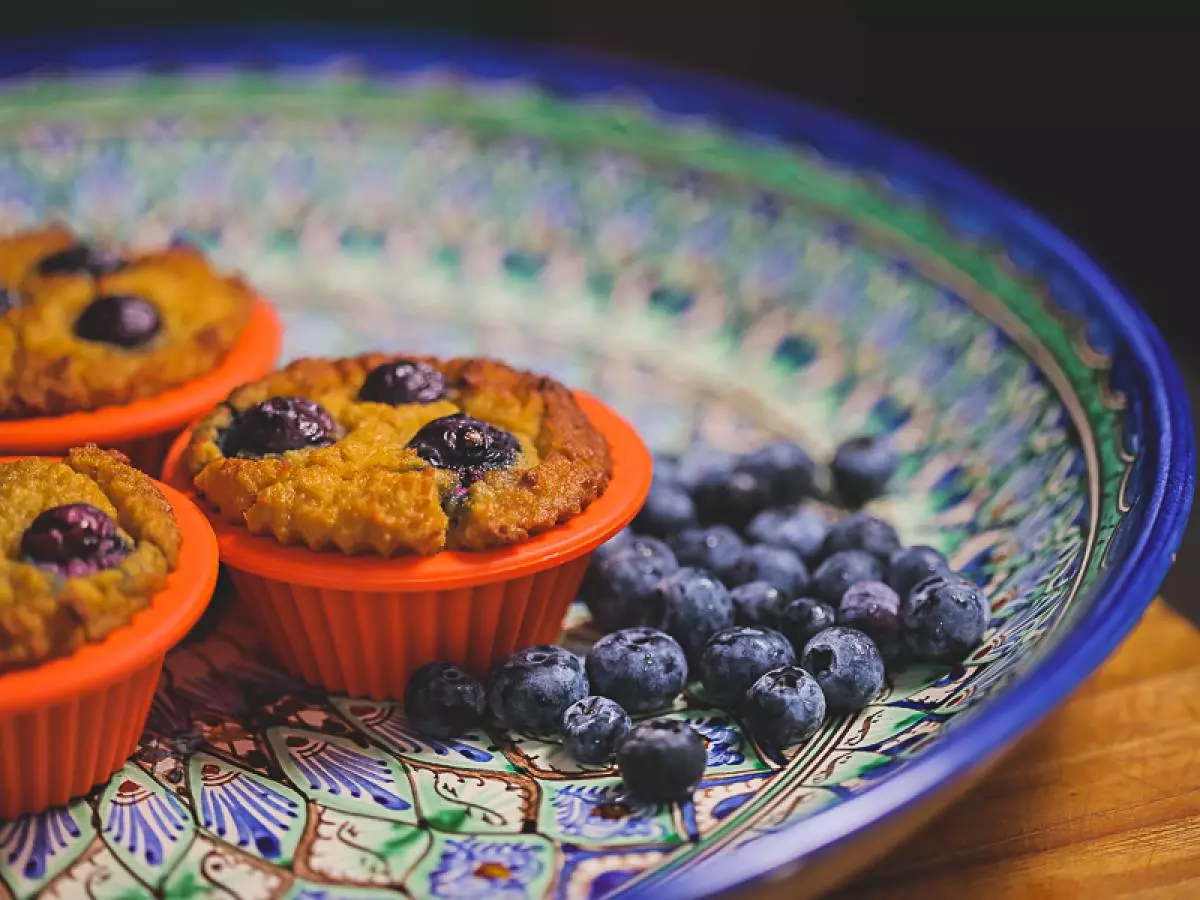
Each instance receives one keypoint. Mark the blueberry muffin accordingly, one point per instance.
(86, 543)
(389, 455)
(81, 328)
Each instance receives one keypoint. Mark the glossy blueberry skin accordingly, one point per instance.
(737, 657)
(668, 510)
(785, 468)
(834, 576)
(847, 665)
(8, 299)
(732, 498)
(699, 463)
(444, 700)
(279, 425)
(757, 603)
(593, 729)
(643, 669)
(662, 761)
(619, 584)
(532, 689)
(801, 531)
(783, 708)
(804, 617)
(716, 548)
(403, 381)
(874, 609)
(774, 565)
(121, 320)
(465, 444)
(861, 469)
(80, 259)
(909, 566)
(692, 605)
(73, 540)
(860, 531)
(944, 619)
(622, 540)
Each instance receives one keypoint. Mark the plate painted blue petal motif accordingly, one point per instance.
(718, 264)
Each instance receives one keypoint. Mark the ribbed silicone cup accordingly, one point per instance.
(145, 429)
(360, 625)
(68, 725)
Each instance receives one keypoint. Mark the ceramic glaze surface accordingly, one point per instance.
(711, 286)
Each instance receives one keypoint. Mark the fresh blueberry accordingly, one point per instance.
(757, 603)
(841, 570)
(619, 585)
(804, 617)
(532, 688)
(73, 540)
(119, 319)
(861, 469)
(654, 549)
(642, 669)
(403, 381)
(909, 566)
(622, 540)
(465, 444)
(874, 609)
(444, 700)
(774, 565)
(691, 606)
(662, 761)
(860, 531)
(785, 468)
(700, 463)
(593, 729)
(847, 666)
(279, 425)
(668, 510)
(80, 259)
(732, 498)
(802, 531)
(737, 657)
(944, 619)
(716, 548)
(783, 708)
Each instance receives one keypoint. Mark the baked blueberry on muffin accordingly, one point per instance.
(82, 327)
(86, 543)
(391, 454)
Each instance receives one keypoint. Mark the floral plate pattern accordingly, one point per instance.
(713, 286)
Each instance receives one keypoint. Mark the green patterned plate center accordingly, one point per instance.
(710, 287)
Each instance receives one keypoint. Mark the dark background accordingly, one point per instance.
(1089, 117)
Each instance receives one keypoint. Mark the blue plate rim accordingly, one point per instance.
(1122, 595)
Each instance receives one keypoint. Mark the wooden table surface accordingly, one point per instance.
(1101, 800)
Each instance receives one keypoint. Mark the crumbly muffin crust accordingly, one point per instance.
(47, 368)
(45, 615)
(369, 492)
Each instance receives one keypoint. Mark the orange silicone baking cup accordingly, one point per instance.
(143, 430)
(360, 625)
(68, 725)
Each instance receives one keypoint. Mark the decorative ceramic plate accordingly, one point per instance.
(720, 265)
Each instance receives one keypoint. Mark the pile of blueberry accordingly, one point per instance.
(724, 577)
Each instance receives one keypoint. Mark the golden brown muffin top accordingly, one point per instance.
(84, 544)
(373, 454)
(81, 328)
